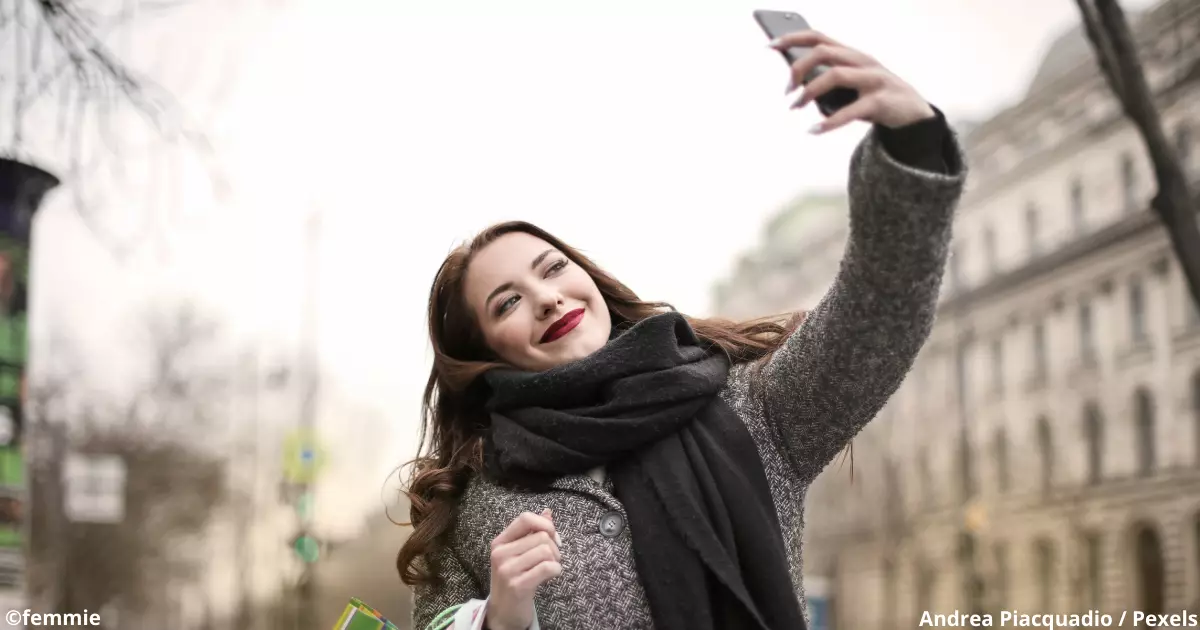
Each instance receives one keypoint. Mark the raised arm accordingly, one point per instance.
(854, 349)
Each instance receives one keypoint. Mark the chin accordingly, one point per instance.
(580, 345)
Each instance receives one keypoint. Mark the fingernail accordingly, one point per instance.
(817, 128)
(790, 86)
(774, 43)
(557, 539)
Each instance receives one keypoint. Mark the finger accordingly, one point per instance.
(538, 575)
(862, 79)
(522, 545)
(805, 39)
(865, 108)
(512, 568)
(826, 55)
(550, 515)
(526, 523)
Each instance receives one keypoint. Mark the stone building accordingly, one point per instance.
(1044, 453)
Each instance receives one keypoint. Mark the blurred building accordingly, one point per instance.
(1044, 453)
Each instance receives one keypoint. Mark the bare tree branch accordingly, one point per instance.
(1105, 57)
(1174, 202)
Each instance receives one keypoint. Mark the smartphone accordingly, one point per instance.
(776, 24)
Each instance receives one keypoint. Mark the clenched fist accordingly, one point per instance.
(524, 556)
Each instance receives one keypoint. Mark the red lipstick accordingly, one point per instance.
(564, 325)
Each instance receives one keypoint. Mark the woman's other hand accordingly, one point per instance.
(883, 98)
(524, 556)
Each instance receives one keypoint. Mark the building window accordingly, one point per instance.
(1000, 453)
(925, 478)
(926, 583)
(1087, 334)
(956, 275)
(962, 376)
(1041, 359)
(889, 589)
(1077, 207)
(1032, 229)
(1183, 144)
(1196, 411)
(1093, 564)
(1045, 446)
(1190, 308)
(989, 250)
(1196, 550)
(998, 366)
(1143, 409)
(1093, 432)
(1137, 311)
(966, 477)
(894, 501)
(1129, 191)
(1046, 562)
(1001, 554)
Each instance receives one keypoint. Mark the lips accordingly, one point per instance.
(564, 325)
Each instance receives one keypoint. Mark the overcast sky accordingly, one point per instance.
(653, 134)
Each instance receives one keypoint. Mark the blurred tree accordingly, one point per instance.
(175, 487)
(72, 101)
(1117, 55)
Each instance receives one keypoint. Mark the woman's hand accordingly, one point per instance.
(883, 98)
(524, 556)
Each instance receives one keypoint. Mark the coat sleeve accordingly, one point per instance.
(456, 586)
(836, 371)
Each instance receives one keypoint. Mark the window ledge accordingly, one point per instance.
(1137, 353)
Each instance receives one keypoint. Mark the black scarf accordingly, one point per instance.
(706, 538)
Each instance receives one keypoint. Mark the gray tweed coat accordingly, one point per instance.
(827, 381)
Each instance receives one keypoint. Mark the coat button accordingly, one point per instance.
(611, 524)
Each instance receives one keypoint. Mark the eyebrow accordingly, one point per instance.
(508, 285)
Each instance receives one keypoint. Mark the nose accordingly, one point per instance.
(548, 301)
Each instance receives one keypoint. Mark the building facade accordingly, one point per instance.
(1043, 455)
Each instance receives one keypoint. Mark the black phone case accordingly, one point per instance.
(776, 24)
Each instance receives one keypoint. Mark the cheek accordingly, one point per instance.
(510, 338)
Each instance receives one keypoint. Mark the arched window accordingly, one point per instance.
(925, 479)
(1046, 563)
(1092, 553)
(894, 498)
(1093, 436)
(1000, 453)
(926, 585)
(890, 587)
(1000, 592)
(1045, 446)
(1148, 567)
(1138, 330)
(1129, 182)
(1143, 409)
(1196, 412)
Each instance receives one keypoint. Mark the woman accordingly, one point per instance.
(601, 462)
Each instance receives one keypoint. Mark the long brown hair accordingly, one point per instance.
(452, 418)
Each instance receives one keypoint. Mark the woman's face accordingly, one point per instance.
(537, 309)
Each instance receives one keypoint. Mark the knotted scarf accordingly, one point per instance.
(706, 539)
